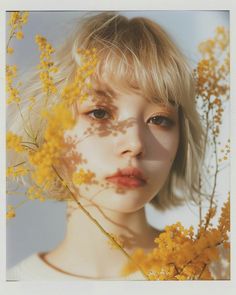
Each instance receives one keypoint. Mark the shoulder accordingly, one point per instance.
(21, 269)
(34, 268)
(220, 269)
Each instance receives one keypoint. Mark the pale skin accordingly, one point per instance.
(128, 131)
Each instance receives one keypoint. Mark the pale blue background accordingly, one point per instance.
(40, 226)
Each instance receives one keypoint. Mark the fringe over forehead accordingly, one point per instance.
(136, 54)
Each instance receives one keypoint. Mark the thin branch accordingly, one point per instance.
(214, 183)
(24, 123)
(198, 255)
(100, 227)
(28, 142)
(202, 271)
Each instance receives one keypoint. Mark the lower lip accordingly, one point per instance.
(125, 181)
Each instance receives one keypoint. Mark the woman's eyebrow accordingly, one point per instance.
(104, 92)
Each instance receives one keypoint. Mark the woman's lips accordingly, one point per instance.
(129, 177)
(127, 181)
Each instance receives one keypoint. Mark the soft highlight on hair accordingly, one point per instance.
(137, 55)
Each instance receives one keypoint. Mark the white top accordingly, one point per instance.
(35, 268)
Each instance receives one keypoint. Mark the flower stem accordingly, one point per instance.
(113, 240)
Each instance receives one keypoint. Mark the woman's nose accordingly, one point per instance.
(131, 143)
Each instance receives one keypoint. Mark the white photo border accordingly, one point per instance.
(129, 287)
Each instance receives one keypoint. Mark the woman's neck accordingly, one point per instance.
(86, 251)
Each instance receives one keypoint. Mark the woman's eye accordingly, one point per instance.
(99, 114)
(161, 121)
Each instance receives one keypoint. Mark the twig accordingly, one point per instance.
(100, 227)
(202, 271)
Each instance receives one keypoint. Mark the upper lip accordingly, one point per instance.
(129, 171)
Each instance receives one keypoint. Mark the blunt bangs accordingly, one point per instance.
(136, 54)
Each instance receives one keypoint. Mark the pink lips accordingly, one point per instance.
(128, 177)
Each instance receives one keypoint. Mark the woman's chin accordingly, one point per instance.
(122, 203)
(117, 198)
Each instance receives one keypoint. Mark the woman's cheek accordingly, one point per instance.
(170, 141)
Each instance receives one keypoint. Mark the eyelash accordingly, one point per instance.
(163, 121)
(99, 109)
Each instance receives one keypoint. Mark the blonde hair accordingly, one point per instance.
(141, 50)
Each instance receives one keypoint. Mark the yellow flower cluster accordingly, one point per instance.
(11, 213)
(15, 171)
(82, 177)
(19, 35)
(18, 18)
(35, 193)
(11, 73)
(59, 119)
(10, 50)
(46, 65)
(212, 76)
(77, 91)
(44, 158)
(13, 92)
(224, 222)
(32, 101)
(225, 152)
(16, 21)
(89, 61)
(14, 142)
(221, 41)
(181, 255)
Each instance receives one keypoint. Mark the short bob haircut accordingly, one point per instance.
(138, 54)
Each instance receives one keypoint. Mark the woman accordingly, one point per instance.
(137, 133)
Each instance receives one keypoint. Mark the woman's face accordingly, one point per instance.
(129, 143)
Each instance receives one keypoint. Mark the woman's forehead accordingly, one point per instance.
(109, 83)
(101, 90)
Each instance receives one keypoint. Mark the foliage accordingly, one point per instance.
(180, 254)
